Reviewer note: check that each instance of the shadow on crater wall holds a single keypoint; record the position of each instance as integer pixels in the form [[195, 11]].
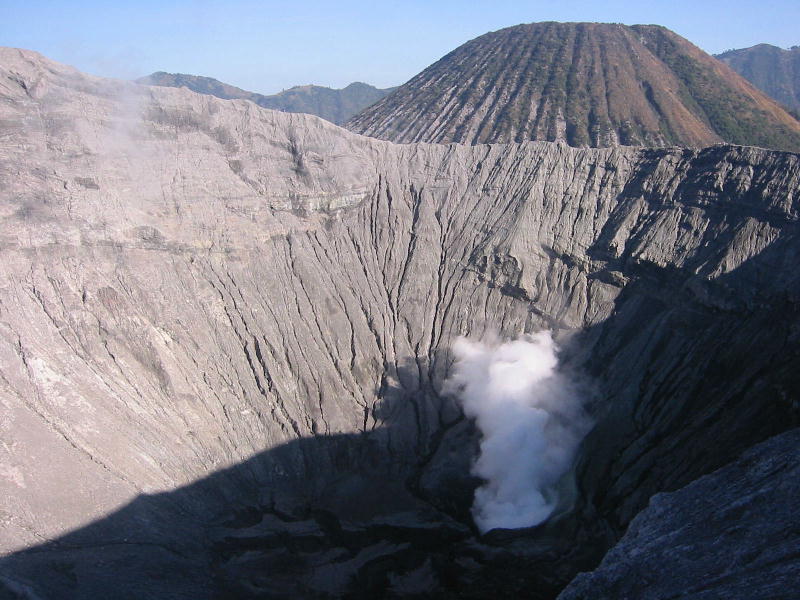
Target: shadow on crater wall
[[357, 521]]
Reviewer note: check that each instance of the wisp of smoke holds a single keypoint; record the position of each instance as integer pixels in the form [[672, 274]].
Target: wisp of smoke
[[531, 421]]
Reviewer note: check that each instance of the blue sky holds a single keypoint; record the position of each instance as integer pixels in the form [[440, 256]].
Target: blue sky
[[268, 46]]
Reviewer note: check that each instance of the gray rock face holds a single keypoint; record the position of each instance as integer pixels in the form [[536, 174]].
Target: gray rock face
[[224, 330], [732, 534]]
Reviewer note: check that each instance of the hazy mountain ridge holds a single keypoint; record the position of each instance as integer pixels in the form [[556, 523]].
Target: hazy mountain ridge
[[231, 326], [588, 84], [334, 105], [775, 71]]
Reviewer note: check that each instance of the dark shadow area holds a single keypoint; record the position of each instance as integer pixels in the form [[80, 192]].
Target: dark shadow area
[[365, 515], [231, 535]]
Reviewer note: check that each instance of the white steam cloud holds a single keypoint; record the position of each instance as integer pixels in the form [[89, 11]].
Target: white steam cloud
[[531, 421]]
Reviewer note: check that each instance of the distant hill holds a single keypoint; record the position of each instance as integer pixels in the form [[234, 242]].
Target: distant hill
[[773, 70], [334, 105], [588, 84]]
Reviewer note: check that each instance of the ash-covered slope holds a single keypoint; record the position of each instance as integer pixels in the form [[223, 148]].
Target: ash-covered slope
[[775, 71], [588, 84], [332, 105], [224, 332]]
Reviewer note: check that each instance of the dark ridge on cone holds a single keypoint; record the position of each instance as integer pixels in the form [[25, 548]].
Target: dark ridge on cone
[[588, 84]]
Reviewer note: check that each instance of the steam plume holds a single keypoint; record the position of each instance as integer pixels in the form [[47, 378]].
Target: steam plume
[[531, 422]]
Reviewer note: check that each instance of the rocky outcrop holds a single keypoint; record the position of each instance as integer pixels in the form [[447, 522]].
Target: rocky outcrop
[[775, 71], [224, 332], [588, 84], [731, 534], [332, 105]]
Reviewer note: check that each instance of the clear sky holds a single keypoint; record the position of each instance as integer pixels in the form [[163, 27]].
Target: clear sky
[[268, 46]]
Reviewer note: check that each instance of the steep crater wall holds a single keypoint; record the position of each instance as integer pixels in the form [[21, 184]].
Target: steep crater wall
[[225, 332]]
